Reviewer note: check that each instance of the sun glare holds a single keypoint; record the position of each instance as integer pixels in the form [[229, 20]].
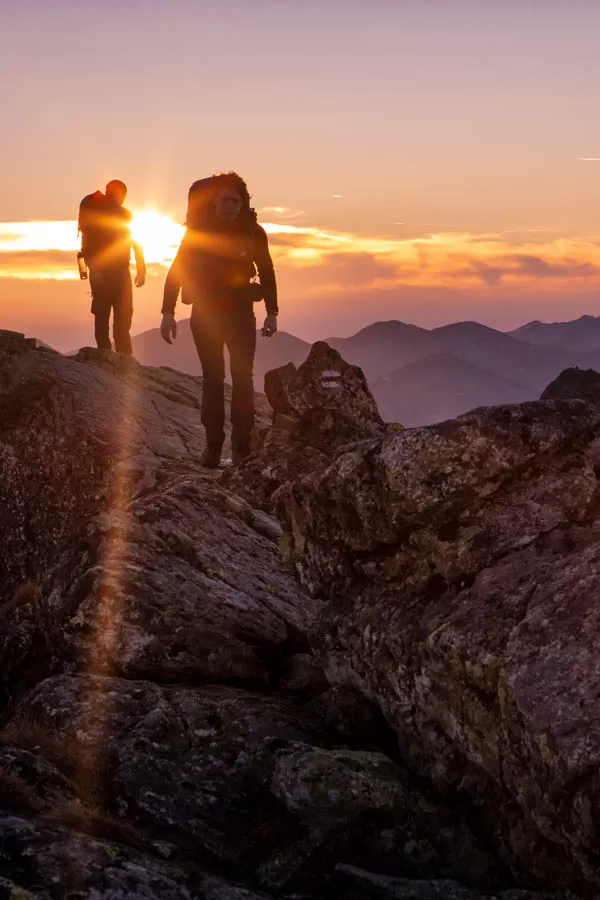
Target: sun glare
[[158, 235]]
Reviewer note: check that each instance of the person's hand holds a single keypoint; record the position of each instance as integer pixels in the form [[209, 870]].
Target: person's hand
[[140, 279], [168, 328], [270, 326]]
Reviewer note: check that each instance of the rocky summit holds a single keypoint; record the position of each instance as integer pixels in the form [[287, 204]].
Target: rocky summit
[[361, 664]]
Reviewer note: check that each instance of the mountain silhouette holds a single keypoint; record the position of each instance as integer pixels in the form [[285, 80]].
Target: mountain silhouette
[[420, 375], [440, 387], [581, 334], [385, 347]]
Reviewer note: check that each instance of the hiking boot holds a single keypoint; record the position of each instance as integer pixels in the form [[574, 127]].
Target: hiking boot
[[211, 458], [240, 450]]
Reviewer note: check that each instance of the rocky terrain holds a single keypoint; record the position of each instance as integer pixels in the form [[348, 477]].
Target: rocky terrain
[[361, 665]]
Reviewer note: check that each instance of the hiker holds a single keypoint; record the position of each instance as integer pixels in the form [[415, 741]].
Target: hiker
[[106, 243], [222, 252]]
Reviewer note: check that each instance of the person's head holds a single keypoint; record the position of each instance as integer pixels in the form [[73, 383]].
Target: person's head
[[231, 196], [116, 191]]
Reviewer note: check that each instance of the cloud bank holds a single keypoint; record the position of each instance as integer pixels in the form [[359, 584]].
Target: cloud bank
[[320, 262]]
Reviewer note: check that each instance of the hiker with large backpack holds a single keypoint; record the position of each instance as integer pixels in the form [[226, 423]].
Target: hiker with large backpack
[[106, 245], [223, 253]]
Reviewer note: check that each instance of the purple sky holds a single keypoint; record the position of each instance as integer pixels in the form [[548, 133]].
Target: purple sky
[[445, 116]]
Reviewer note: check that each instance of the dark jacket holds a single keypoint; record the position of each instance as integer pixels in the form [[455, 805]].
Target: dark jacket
[[219, 264]]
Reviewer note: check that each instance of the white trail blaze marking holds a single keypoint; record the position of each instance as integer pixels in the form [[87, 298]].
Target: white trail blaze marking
[[330, 378]]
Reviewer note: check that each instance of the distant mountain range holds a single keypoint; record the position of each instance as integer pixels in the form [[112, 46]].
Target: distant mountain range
[[420, 376], [441, 387], [580, 334]]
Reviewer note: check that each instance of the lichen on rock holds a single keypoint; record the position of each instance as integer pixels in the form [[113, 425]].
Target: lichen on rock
[[406, 693]]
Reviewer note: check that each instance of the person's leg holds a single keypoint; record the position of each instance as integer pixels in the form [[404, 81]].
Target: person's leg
[[101, 305], [207, 331], [240, 338], [123, 313], [101, 329]]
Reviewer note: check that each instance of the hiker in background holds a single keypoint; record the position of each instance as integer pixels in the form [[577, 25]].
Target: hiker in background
[[106, 244], [220, 257]]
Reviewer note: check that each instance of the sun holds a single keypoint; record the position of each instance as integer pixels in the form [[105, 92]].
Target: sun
[[158, 235]]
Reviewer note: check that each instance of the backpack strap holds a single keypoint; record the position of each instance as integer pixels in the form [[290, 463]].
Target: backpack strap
[[252, 220]]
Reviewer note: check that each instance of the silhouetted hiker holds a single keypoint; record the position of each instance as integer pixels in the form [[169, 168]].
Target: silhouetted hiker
[[106, 243], [216, 265]]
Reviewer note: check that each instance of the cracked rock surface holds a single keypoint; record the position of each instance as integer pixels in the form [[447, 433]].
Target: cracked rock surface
[[361, 664], [459, 566]]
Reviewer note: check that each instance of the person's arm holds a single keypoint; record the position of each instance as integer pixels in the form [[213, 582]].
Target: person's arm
[[266, 272], [168, 326], [140, 265], [172, 285]]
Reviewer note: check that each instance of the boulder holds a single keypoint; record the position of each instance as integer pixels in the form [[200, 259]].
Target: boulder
[[120, 555], [179, 586], [458, 493], [239, 780], [30, 783], [42, 861], [188, 765], [364, 808], [459, 567], [323, 381], [580, 384], [318, 408]]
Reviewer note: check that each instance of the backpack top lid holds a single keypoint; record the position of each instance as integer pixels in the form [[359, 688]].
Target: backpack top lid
[[90, 204], [200, 208], [94, 197], [200, 196]]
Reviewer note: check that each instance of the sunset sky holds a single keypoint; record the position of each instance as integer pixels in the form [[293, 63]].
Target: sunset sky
[[418, 160]]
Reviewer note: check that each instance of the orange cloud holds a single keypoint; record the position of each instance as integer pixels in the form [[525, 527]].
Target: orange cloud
[[442, 259], [56, 265], [282, 212], [324, 262], [47, 250]]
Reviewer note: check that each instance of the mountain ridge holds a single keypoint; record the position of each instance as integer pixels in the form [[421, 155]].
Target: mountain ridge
[[505, 363], [577, 334], [442, 385]]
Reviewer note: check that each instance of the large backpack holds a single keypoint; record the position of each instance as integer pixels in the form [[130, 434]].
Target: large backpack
[[200, 212], [93, 212], [200, 197]]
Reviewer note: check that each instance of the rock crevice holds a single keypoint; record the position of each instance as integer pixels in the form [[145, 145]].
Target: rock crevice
[[346, 668]]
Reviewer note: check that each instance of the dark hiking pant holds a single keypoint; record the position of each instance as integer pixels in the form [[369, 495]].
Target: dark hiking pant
[[213, 331], [112, 291]]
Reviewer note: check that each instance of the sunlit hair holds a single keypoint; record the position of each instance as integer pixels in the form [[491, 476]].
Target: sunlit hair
[[236, 182]]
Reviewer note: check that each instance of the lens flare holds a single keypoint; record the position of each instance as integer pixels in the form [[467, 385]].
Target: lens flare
[[158, 235]]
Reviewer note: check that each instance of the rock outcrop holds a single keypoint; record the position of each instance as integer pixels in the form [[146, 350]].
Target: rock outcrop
[[575, 384], [145, 564], [167, 730], [459, 570], [318, 409]]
